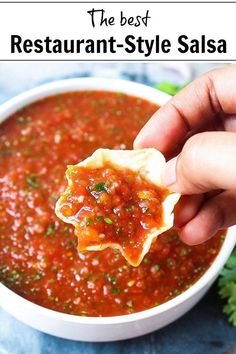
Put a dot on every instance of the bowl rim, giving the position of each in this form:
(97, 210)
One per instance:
(133, 89)
(81, 84)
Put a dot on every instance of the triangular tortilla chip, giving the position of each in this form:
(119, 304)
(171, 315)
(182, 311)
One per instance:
(147, 163)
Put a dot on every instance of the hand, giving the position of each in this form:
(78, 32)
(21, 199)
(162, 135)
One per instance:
(198, 127)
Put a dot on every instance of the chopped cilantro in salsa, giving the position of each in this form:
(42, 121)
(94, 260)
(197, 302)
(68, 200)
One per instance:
(38, 253)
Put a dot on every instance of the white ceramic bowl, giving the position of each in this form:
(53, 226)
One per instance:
(96, 329)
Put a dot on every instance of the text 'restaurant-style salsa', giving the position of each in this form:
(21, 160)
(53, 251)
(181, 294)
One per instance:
(112, 206)
(38, 252)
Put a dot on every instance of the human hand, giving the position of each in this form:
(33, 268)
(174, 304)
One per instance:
(198, 127)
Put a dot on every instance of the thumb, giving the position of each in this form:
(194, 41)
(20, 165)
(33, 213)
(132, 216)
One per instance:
(206, 162)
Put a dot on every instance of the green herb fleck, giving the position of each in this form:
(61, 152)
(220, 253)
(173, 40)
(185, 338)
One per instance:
(66, 304)
(156, 267)
(54, 197)
(222, 238)
(57, 109)
(99, 218)
(129, 303)
(93, 279)
(88, 221)
(115, 291)
(50, 230)
(54, 269)
(108, 221)
(100, 187)
(71, 170)
(111, 279)
(176, 292)
(15, 275)
(37, 276)
(32, 181)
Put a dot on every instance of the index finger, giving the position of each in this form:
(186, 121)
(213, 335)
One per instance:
(200, 102)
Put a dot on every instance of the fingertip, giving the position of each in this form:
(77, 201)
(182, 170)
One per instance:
(146, 138)
(169, 173)
(197, 231)
(153, 134)
(187, 208)
(190, 236)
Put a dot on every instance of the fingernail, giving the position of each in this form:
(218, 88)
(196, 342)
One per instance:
(169, 174)
(137, 144)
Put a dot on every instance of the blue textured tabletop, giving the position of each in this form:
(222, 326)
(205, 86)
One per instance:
(203, 330)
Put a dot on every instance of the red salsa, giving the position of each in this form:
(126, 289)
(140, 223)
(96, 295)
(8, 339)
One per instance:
(112, 206)
(38, 252)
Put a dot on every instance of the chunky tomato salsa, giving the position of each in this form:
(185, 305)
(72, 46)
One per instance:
(109, 206)
(38, 252)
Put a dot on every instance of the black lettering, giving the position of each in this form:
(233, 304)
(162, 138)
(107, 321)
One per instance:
(47, 42)
(145, 19)
(78, 45)
(57, 46)
(123, 19)
(91, 13)
(112, 42)
(89, 48)
(134, 21)
(203, 42)
(27, 45)
(222, 46)
(108, 21)
(184, 45)
(211, 46)
(149, 46)
(138, 22)
(165, 46)
(131, 46)
(130, 21)
(194, 48)
(38, 46)
(101, 46)
(15, 43)
(140, 41)
(69, 46)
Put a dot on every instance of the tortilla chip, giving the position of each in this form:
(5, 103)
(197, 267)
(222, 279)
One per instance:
(149, 163)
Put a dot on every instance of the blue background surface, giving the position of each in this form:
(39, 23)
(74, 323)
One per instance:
(204, 329)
